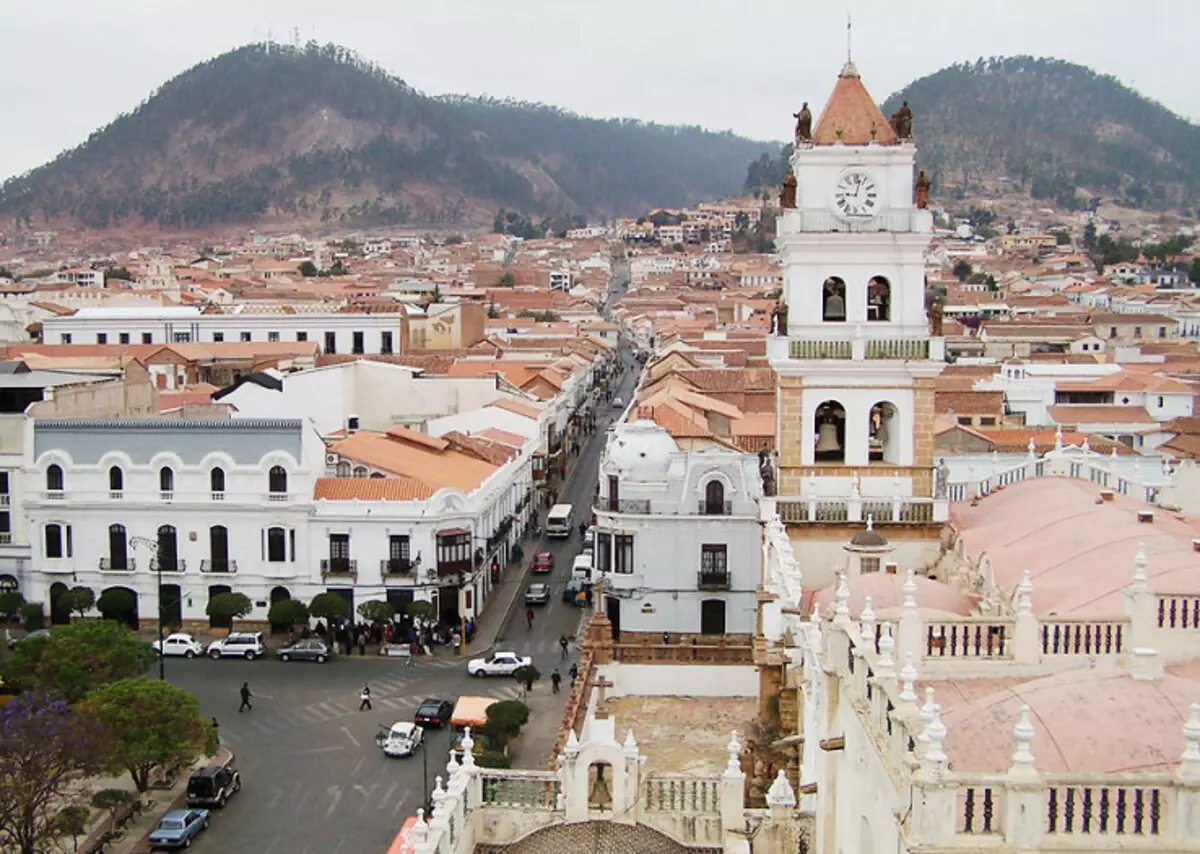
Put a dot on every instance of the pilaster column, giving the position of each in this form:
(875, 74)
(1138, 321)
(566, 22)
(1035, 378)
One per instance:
(912, 627)
(1025, 634)
(1023, 801)
(934, 796)
(733, 790)
(1139, 605)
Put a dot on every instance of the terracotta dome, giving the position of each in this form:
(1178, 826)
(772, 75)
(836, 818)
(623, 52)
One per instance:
(869, 538)
(887, 594)
(1091, 720)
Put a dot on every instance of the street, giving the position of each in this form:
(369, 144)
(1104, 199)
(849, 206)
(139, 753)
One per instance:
(314, 780)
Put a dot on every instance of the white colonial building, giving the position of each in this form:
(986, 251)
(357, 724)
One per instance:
(678, 542)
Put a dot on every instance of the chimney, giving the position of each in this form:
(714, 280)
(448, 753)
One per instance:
(1145, 517)
(1145, 665)
(352, 424)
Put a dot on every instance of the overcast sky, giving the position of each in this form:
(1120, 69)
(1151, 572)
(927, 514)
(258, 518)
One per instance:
(68, 67)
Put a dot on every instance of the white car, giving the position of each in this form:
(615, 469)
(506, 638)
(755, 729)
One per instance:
(179, 644)
(497, 664)
(247, 645)
(402, 739)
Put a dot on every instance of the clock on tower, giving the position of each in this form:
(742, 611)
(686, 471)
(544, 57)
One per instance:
(856, 195)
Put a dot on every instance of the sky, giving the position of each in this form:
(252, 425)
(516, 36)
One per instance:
(68, 67)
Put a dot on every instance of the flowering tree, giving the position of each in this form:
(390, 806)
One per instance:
(75, 659)
(45, 747)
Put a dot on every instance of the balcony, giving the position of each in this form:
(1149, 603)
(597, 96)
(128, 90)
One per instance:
(395, 566)
(107, 564)
(167, 565)
(499, 535)
(55, 494)
(452, 567)
(713, 579)
(637, 506)
(339, 567)
(5, 500)
(220, 566)
(279, 497)
(166, 495)
(882, 511)
(712, 508)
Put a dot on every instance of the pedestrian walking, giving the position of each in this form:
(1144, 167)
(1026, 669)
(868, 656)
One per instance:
(216, 728)
(456, 638)
(246, 695)
(555, 680)
(562, 645)
(365, 697)
(362, 643)
(573, 672)
(529, 617)
(413, 651)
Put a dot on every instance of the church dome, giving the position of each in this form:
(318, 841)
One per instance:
(887, 596)
(869, 538)
(641, 451)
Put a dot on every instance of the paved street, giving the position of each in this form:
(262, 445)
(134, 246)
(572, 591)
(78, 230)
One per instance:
(314, 779)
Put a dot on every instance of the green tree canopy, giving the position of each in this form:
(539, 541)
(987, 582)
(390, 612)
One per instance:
(378, 611)
(118, 273)
(11, 602)
(329, 606)
(224, 608)
(963, 270)
(117, 603)
(33, 616)
(508, 280)
(504, 721)
(73, 660)
(79, 599)
(308, 269)
(287, 612)
(421, 610)
(153, 726)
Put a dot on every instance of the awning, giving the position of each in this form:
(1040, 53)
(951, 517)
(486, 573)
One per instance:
(452, 532)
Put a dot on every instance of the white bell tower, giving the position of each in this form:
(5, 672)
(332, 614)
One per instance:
(853, 349)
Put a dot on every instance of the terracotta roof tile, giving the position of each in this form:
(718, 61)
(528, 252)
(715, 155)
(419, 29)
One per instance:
(969, 402)
(1084, 414)
(851, 115)
(401, 455)
(371, 489)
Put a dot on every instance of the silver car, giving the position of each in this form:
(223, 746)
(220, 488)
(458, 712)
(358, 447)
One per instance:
(537, 594)
(304, 650)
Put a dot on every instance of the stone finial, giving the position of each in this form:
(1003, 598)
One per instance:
(1058, 438)
(866, 621)
(1191, 733)
(870, 521)
(841, 611)
(468, 750)
(438, 795)
(886, 662)
(1113, 454)
(1024, 592)
(1024, 732)
(908, 680)
(453, 767)
(781, 793)
(630, 745)
(1140, 562)
(1086, 447)
(910, 591)
(933, 738)
(421, 827)
(734, 748)
(1032, 448)
(930, 705)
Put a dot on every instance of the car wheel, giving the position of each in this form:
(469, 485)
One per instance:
(285, 657)
(221, 801)
(187, 843)
(189, 654)
(215, 654)
(320, 659)
(479, 673)
(249, 656)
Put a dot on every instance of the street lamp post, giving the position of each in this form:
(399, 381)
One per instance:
(154, 547)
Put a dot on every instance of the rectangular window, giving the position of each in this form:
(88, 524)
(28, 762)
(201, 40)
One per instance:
(1112, 332)
(147, 337)
(54, 542)
(182, 337)
(964, 420)
(603, 551)
(1137, 332)
(453, 553)
(357, 345)
(869, 564)
(301, 336)
(218, 337)
(1160, 402)
(1162, 332)
(65, 338)
(399, 551)
(246, 337)
(292, 545)
(3, 483)
(623, 553)
(330, 342)
(276, 545)
(101, 337)
(385, 342)
(339, 546)
(273, 336)
(5, 527)
(123, 337)
(987, 421)
(714, 562)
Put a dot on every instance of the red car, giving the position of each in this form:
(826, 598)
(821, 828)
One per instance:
(543, 562)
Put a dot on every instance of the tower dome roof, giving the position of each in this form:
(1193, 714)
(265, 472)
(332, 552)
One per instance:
(869, 538)
(641, 451)
(851, 115)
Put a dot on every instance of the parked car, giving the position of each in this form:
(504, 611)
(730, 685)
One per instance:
(37, 633)
(434, 712)
(247, 645)
(213, 786)
(305, 650)
(178, 828)
(617, 403)
(577, 592)
(497, 664)
(179, 644)
(537, 594)
(543, 562)
(402, 739)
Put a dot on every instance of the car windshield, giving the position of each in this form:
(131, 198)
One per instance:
(171, 824)
(200, 786)
(428, 708)
(401, 734)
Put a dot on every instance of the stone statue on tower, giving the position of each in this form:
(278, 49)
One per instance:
(923, 185)
(902, 122)
(787, 198)
(803, 125)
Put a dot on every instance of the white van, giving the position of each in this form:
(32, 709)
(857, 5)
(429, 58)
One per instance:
(558, 523)
(582, 567)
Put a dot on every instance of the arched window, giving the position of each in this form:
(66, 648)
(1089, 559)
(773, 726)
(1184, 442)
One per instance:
(58, 541)
(830, 438)
(714, 498)
(118, 548)
(116, 479)
(343, 469)
(216, 480)
(218, 549)
(276, 545)
(360, 471)
(833, 305)
(884, 438)
(168, 549)
(879, 299)
(277, 479)
(54, 478)
(166, 479)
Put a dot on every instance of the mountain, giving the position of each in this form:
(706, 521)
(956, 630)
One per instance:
(1059, 131)
(316, 134)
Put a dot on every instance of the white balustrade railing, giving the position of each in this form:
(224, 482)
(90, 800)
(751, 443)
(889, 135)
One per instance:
(1086, 466)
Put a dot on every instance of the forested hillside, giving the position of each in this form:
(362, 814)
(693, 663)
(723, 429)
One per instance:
(318, 134)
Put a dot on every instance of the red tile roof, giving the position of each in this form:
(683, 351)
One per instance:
(851, 115)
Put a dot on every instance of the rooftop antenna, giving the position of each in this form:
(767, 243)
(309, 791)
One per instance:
(849, 43)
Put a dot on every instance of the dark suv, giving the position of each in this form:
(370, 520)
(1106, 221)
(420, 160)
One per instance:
(213, 785)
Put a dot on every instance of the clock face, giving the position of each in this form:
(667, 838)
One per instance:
(856, 195)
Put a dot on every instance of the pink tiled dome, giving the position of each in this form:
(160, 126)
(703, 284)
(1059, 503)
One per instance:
(1092, 720)
(887, 593)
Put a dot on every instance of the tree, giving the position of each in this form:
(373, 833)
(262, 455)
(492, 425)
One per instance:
(224, 608)
(377, 611)
(1061, 238)
(308, 270)
(153, 726)
(72, 821)
(504, 722)
(287, 612)
(111, 801)
(1194, 270)
(75, 659)
(526, 675)
(493, 759)
(508, 280)
(963, 270)
(45, 748)
(493, 311)
(329, 606)
(117, 603)
(10, 603)
(81, 599)
(33, 616)
(118, 273)
(421, 610)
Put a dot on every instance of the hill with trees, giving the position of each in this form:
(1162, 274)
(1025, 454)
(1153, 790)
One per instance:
(317, 134)
(1056, 131)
